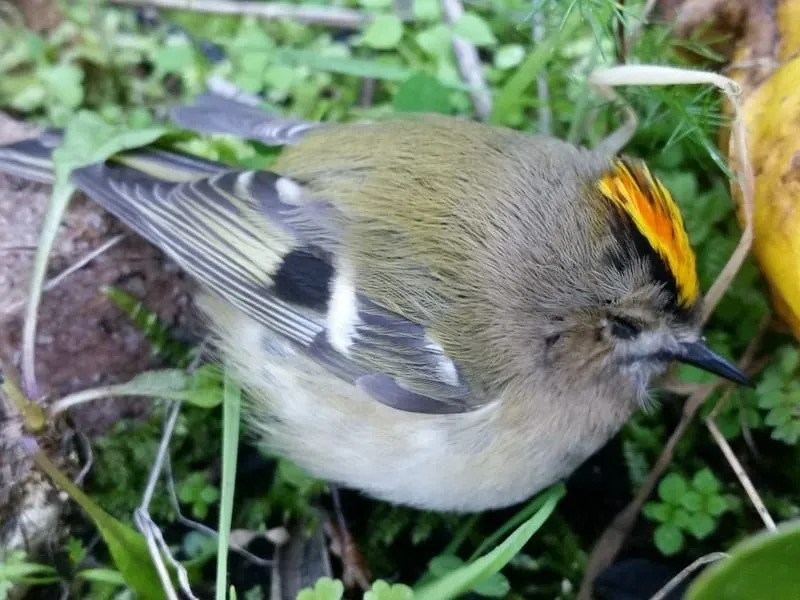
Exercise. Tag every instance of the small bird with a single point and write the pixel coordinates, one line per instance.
(437, 312)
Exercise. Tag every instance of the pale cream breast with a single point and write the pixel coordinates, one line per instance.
(491, 457)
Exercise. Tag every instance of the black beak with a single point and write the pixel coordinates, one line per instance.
(697, 354)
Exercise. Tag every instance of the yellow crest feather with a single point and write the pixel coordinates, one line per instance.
(632, 188)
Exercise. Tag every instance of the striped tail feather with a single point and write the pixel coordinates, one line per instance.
(213, 113)
(32, 158)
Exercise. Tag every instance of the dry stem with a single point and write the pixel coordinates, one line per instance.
(343, 18)
(469, 63)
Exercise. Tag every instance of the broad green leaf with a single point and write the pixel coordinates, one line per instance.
(358, 67)
(705, 482)
(514, 88)
(692, 501)
(26, 572)
(474, 29)
(384, 32)
(422, 93)
(715, 505)
(127, 547)
(375, 3)
(64, 83)
(427, 10)
(163, 383)
(494, 586)
(383, 591)
(672, 488)
(325, 588)
(444, 564)
(466, 578)
(681, 518)
(173, 57)
(508, 56)
(102, 576)
(668, 539)
(701, 525)
(763, 566)
(658, 511)
(436, 40)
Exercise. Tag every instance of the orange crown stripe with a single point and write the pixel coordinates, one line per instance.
(632, 188)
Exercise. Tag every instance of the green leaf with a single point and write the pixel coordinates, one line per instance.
(692, 501)
(164, 383)
(681, 518)
(789, 359)
(705, 482)
(495, 586)
(672, 488)
(436, 41)
(127, 547)
(231, 416)
(764, 565)
(65, 84)
(383, 591)
(204, 388)
(102, 576)
(384, 32)
(469, 576)
(325, 588)
(474, 29)
(444, 564)
(173, 57)
(375, 3)
(508, 56)
(668, 539)
(510, 95)
(716, 505)
(658, 511)
(701, 525)
(357, 67)
(422, 93)
(26, 572)
(427, 10)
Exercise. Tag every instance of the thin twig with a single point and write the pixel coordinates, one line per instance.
(330, 16)
(77, 265)
(469, 63)
(686, 571)
(157, 548)
(87, 449)
(741, 474)
(610, 542)
(202, 528)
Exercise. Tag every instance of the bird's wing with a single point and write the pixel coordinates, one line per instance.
(212, 113)
(239, 233)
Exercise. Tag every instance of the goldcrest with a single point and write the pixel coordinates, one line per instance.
(440, 313)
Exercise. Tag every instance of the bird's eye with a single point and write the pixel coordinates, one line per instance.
(624, 329)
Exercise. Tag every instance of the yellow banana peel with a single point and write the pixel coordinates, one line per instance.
(764, 59)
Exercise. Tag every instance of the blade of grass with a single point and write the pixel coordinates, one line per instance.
(467, 577)
(87, 140)
(525, 75)
(231, 408)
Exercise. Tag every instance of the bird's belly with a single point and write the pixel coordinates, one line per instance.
(451, 462)
(457, 462)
